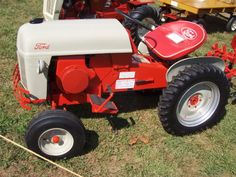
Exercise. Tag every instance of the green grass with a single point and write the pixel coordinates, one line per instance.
(210, 153)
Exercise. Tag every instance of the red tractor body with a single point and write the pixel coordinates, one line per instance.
(81, 79)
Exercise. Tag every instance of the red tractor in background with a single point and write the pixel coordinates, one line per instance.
(78, 9)
(141, 10)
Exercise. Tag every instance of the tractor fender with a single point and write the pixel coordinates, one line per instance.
(182, 64)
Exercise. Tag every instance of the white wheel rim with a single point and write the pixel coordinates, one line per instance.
(198, 104)
(50, 147)
(233, 26)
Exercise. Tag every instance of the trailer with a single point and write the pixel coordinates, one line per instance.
(196, 10)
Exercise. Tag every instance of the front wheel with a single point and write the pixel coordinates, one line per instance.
(56, 134)
(194, 100)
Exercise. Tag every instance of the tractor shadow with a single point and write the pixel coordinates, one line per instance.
(126, 102)
(92, 142)
(133, 101)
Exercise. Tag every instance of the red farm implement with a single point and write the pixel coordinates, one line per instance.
(229, 57)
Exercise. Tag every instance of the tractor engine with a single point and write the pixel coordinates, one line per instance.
(61, 47)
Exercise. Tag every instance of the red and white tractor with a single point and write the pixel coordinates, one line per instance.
(71, 62)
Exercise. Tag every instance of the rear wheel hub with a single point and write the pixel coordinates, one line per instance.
(198, 103)
(194, 100)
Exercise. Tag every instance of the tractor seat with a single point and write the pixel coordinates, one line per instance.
(174, 40)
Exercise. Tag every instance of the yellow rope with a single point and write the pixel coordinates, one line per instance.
(31, 152)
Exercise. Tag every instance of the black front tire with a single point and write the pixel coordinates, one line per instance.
(180, 92)
(66, 129)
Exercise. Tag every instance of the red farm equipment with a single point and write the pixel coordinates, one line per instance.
(142, 10)
(229, 57)
(79, 9)
(70, 62)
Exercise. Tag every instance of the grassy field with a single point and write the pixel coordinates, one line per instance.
(210, 153)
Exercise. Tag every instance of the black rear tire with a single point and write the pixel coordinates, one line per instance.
(65, 127)
(141, 13)
(208, 108)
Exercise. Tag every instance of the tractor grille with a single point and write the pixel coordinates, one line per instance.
(22, 71)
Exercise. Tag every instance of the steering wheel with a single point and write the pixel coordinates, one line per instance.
(133, 20)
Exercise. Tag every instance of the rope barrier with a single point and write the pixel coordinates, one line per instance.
(32, 152)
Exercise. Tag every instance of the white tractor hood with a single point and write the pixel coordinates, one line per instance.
(38, 43)
(73, 37)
